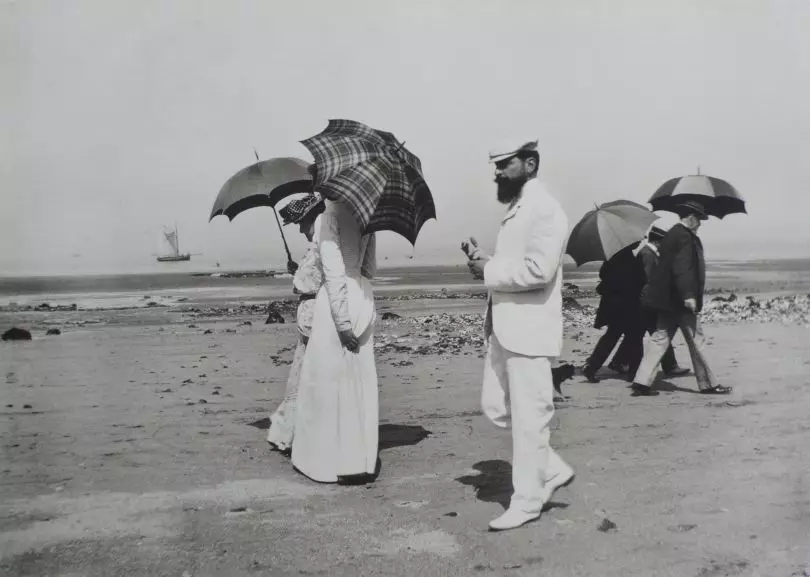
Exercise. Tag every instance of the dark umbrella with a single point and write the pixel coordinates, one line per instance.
(374, 174)
(264, 183)
(607, 229)
(717, 196)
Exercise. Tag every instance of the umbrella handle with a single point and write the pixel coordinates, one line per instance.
(287, 248)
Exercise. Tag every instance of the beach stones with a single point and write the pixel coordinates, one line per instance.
(53, 332)
(274, 315)
(16, 334)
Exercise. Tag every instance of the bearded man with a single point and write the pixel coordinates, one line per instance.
(524, 328)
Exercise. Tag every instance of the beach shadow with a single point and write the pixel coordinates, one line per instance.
(493, 484)
(669, 387)
(263, 424)
(392, 435)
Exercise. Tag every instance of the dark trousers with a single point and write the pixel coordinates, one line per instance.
(604, 346)
(631, 351)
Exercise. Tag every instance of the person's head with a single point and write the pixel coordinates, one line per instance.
(655, 235)
(515, 168)
(307, 224)
(692, 214)
(303, 212)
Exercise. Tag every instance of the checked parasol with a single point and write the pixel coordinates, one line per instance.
(376, 176)
(607, 229)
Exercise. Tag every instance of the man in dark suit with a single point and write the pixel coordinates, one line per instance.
(628, 357)
(675, 293)
(621, 279)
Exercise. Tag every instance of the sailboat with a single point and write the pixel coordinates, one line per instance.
(174, 241)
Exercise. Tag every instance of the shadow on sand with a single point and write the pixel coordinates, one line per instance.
(391, 435)
(493, 484)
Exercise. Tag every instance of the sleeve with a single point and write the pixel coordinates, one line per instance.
(369, 267)
(648, 261)
(541, 261)
(334, 271)
(683, 271)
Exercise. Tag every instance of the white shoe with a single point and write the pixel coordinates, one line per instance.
(512, 519)
(561, 479)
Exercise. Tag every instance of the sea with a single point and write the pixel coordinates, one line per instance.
(124, 290)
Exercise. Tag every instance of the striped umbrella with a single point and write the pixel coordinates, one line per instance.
(375, 175)
(717, 196)
(607, 229)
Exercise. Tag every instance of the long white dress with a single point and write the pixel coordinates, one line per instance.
(337, 412)
(307, 282)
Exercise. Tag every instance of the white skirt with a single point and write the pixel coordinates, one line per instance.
(337, 410)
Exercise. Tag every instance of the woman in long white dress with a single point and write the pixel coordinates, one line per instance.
(337, 413)
(306, 283)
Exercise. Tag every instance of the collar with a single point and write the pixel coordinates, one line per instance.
(528, 188)
(687, 229)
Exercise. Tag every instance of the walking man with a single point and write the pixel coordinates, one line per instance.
(524, 329)
(675, 293)
(628, 358)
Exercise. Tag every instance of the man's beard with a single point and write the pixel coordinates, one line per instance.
(509, 189)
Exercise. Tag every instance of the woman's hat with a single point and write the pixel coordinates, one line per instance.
(297, 210)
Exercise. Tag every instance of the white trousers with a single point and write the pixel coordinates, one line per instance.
(518, 392)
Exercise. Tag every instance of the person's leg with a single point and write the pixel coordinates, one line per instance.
(693, 335)
(635, 348)
(668, 362)
(654, 348)
(605, 345)
(531, 403)
(622, 359)
(495, 389)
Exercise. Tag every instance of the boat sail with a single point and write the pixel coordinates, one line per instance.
(172, 237)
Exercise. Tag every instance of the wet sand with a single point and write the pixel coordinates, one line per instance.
(134, 444)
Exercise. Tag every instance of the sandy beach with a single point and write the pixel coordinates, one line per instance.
(133, 443)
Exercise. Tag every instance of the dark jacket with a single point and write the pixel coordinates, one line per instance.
(680, 273)
(621, 279)
(648, 257)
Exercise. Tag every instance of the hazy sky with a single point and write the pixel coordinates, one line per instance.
(117, 117)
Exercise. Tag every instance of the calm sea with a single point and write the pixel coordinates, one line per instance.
(429, 277)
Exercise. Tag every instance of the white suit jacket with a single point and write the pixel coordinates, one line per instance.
(524, 276)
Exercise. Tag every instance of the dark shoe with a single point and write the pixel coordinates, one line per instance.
(718, 390)
(643, 391)
(678, 372)
(590, 374)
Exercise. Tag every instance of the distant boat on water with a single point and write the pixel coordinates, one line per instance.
(172, 237)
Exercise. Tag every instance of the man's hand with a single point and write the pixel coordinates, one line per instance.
(349, 340)
(690, 304)
(477, 267)
(471, 249)
(292, 267)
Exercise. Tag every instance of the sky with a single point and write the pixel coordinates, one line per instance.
(119, 117)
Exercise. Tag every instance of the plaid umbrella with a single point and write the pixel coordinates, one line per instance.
(374, 174)
(718, 196)
(606, 230)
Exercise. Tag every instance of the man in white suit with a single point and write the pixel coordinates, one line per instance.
(524, 328)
